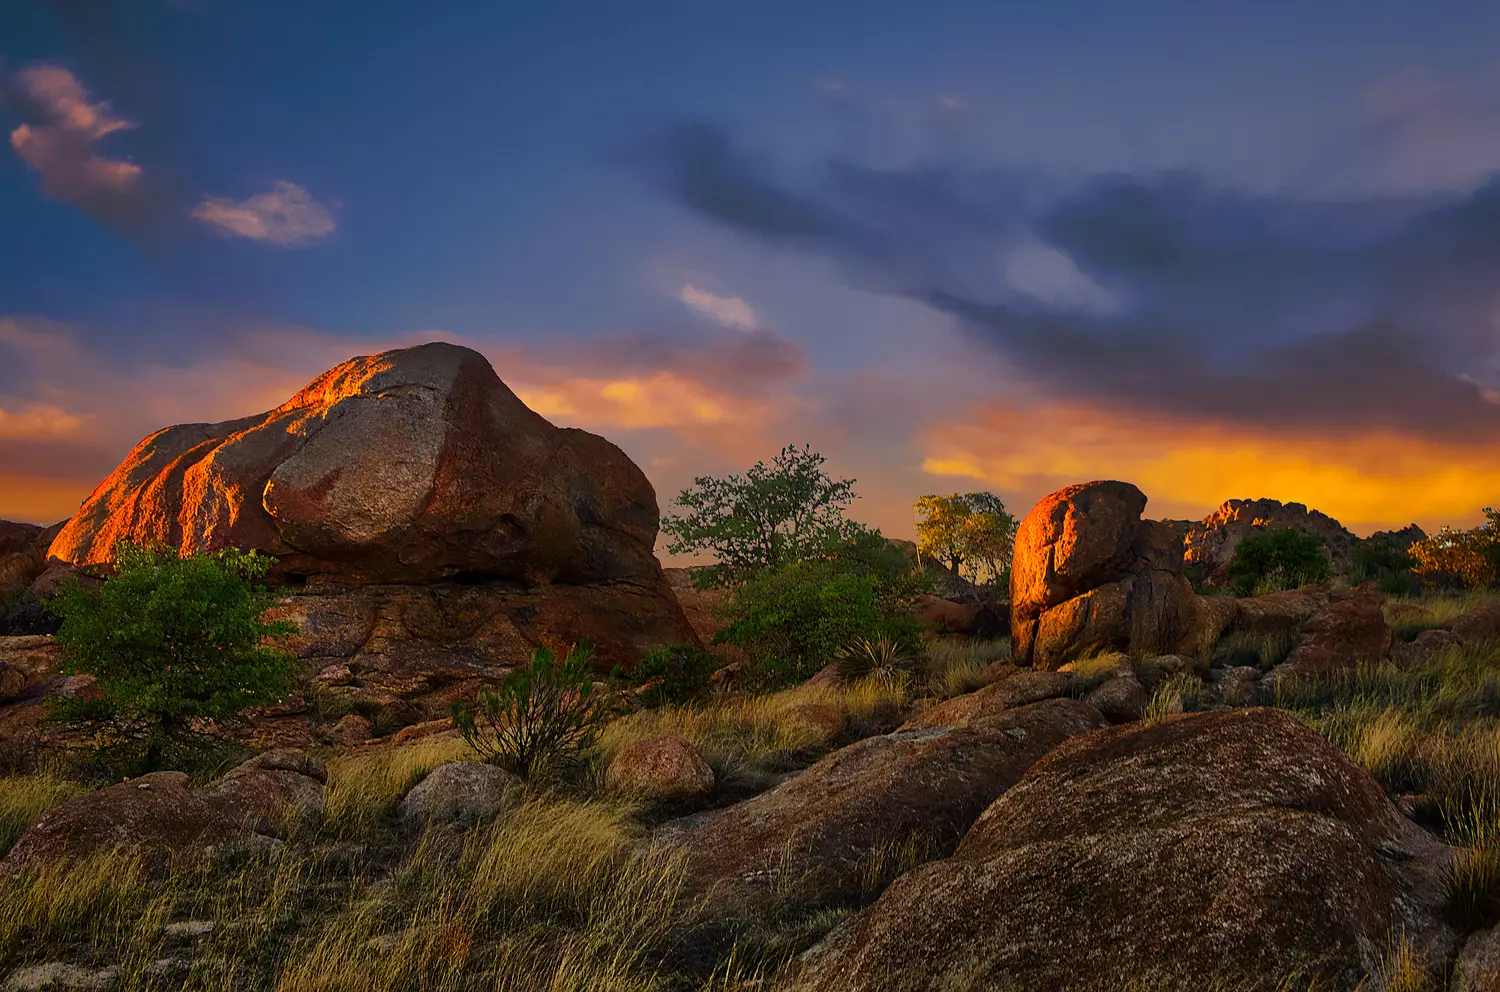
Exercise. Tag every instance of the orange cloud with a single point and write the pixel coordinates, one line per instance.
(1368, 481)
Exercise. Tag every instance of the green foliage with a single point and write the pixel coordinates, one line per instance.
(971, 534)
(792, 621)
(774, 514)
(543, 711)
(176, 647)
(670, 675)
(1278, 559)
(1388, 565)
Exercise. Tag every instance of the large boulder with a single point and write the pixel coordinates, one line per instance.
(156, 817)
(437, 519)
(1235, 847)
(459, 790)
(408, 466)
(660, 768)
(23, 555)
(272, 793)
(1349, 630)
(811, 839)
(1090, 575)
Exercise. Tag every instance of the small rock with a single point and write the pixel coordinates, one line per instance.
(272, 792)
(57, 975)
(662, 768)
(1478, 965)
(353, 729)
(1436, 640)
(459, 790)
(1121, 699)
(419, 730)
(189, 928)
(334, 675)
(12, 682)
(824, 720)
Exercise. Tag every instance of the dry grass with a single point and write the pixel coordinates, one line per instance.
(1180, 693)
(97, 899)
(750, 736)
(1435, 610)
(24, 798)
(951, 667)
(365, 786)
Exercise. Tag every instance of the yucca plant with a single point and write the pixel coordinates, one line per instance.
(883, 659)
(545, 710)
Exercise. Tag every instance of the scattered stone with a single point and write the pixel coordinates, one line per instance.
(353, 729)
(271, 793)
(1020, 689)
(1121, 699)
(810, 838)
(1236, 844)
(1478, 966)
(660, 768)
(12, 682)
(57, 975)
(459, 790)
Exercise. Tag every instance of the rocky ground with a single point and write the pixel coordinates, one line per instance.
(1140, 787)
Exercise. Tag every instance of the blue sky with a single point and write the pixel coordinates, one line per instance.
(1207, 247)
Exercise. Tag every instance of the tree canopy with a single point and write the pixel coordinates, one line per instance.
(970, 534)
(776, 512)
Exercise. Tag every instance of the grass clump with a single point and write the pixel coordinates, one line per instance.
(1178, 693)
(951, 668)
(1263, 649)
(24, 798)
(365, 786)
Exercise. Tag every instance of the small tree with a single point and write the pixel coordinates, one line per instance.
(1278, 559)
(777, 512)
(537, 713)
(968, 532)
(176, 646)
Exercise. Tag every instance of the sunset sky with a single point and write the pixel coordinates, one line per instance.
(954, 245)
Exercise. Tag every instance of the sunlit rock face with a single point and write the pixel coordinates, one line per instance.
(412, 465)
(1090, 575)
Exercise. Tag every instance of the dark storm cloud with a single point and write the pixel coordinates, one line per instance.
(1161, 292)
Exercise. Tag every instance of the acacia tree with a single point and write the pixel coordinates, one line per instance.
(966, 532)
(776, 512)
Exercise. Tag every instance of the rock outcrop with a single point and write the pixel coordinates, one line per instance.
(23, 556)
(1090, 575)
(1210, 542)
(1237, 845)
(812, 838)
(160, 819)
(438, 521)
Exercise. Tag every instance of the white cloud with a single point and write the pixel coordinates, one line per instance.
(286, 215)
(58, 140)
(1051, 277)
(731, 311)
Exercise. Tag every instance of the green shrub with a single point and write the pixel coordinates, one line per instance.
(538, 713)
(1278, 559)
(670, 675)
(176, 647)
(1388, 565)
(794, 620)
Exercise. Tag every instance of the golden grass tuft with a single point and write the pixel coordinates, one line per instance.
(24, 798)
(365, 786)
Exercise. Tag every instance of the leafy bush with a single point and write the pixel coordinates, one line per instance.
(1468, 558)
(670, 675)
(773, 515)
(25, 614)
(1278, 559)
(1388, 565)
(176, 647)
(538, 713)
(794, 620)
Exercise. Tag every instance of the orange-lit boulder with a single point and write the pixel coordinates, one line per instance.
(408, 466)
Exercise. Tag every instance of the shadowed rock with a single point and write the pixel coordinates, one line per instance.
(1238, 846)
(811, 839)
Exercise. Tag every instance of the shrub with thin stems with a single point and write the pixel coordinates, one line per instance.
(543, 711)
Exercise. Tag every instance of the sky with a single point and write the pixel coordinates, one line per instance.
(1232, 250)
